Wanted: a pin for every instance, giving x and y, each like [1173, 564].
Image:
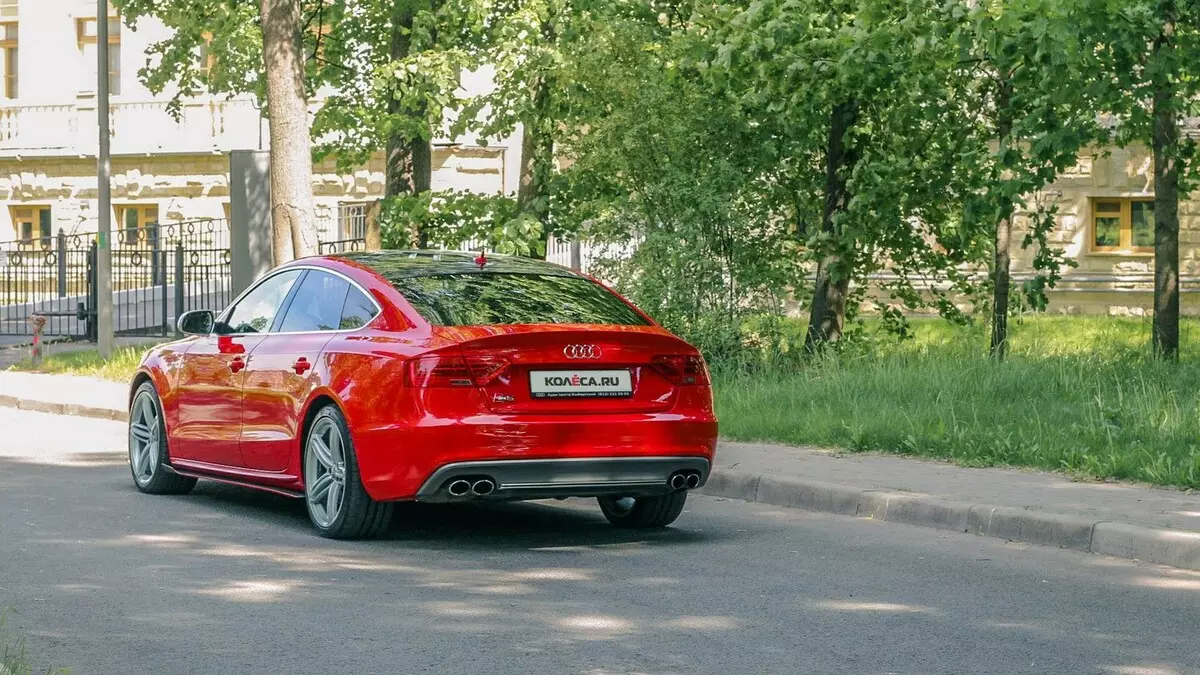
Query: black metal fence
[158, 271]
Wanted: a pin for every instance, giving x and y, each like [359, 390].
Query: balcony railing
[135, 127]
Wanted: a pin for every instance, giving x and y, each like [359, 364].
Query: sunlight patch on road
[460, 609]
[858, 606]
[607, 624]
[555, 574]
[1169, 583]
[254, 591]
[1140, 670]
[703, 623]
[163, 540]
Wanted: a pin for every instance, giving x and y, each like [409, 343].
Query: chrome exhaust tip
[459, 488]
[483, 487]
[693, 480]
[678, 481]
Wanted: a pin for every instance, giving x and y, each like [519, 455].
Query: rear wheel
[338, 505]
[643, 512]
[148, 447]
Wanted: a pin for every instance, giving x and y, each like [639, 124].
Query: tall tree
[864, 115]
[1026, 71]
[254, 49]
[1151, 52]
[292, 212]
[525, 42]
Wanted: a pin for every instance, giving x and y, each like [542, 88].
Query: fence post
[576, 263]
[62, 264]
[156, 268]
[178, 285]
[160, 258]
[93, 295]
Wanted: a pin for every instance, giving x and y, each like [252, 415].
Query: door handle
[301, 365]
[237, 364]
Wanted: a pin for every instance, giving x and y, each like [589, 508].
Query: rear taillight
[681, 368]
[454, 371]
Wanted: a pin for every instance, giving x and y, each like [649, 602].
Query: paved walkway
[1132, 521]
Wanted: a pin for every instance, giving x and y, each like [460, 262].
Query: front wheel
[338, 504]
[643, 512]
[148, 447]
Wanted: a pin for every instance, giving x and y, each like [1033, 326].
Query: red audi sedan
[359, 380]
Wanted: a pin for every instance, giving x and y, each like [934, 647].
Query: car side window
[357, 311]
[317, 303]
[257, 310]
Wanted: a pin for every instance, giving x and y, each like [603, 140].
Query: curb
[63, 408]
[1174, 548]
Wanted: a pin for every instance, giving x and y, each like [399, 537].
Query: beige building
[1105, 223]
[163, 170]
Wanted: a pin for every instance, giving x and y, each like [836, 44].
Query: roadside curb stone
[1174, 548]
[63, 408]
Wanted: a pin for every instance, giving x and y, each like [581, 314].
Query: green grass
[1076, 394]
[88, 362]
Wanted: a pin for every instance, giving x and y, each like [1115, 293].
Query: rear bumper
[616, 451]
[554, 478]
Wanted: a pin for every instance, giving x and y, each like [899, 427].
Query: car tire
[643, 512]
[148, 456]
[338, 505]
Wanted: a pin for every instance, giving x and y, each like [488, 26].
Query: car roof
[393, 264]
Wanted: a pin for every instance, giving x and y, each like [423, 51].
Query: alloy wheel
[144, 438]
[325, 472]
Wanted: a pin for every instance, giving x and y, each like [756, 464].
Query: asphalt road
[103, 579]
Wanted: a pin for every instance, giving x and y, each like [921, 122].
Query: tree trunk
[833, 274]
[1166, 225]
[1001, 262]
[408, 162]
[537, 158]
[292, 211]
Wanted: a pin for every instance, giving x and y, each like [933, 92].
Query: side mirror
[196, 322]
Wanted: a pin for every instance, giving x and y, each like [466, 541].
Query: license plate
[580, 383]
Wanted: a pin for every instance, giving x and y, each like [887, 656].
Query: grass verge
[88, 362]
[1075, 394]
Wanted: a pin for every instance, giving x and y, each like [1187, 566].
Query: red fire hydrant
[38, 322]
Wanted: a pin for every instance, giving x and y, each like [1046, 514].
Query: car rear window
[482, 299]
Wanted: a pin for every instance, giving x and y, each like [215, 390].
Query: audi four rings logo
[581, 352]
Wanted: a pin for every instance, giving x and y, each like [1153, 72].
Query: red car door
[208, 396]
[285, 368]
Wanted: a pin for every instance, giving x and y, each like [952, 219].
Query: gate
[158, 271]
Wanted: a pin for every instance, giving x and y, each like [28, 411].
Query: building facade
[163, 170]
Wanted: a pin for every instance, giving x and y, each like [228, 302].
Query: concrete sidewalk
[1128, 521]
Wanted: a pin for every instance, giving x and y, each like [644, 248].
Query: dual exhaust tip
[685, 480]
[462, 487]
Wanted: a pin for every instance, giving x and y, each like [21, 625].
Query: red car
[358, 380]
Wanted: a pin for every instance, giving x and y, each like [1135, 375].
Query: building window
[205, 59]
[8, 56]
[1123, 225]
[32, 222]
[139, 224]
[86, 33]
[352, 221]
